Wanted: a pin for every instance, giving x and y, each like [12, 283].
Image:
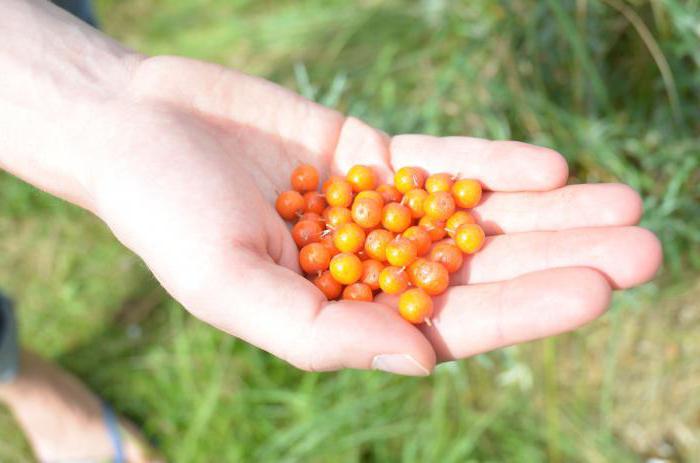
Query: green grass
[613, 85]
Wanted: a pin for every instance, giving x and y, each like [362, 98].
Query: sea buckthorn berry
[361, 178]
[346, 268]
[408, 178]
[314, 217]
[349, 237]
[416, 306]
[314, 257]
[469, 238]
[314, 202]
[304, 178]
[370, 272]
[431, 276]
[337, 216]
[389, 193]
[448, 255]
[305, 232]
[420, 237]
[457, 219]
[330, 180]
[439, 182]
[367, 212]
[393, 280]
[339, 194]
[396, 217]
[370, 194]
[466, 192]
[358, 292]
[328, 286]
[327, 241]
[375, 244]
[401, 252]
[290, 204]
[439, 205]
[413, 199]
[435, 228]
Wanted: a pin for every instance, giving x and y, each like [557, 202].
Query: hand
[189, 179]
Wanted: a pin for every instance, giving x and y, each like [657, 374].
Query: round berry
[367, 212]
[469, 238]
[389, 193]
[361, 178]
[431, 276]
[413, 199]
[393, 280]
[358, 292]
[304, 178]
[416, 306]
[332, 179]
[439, 205]
[435, 228]
[314, 257]
[327, 241]
[448, 255]
[328, 286]
[370, 272]
[396, 217]
[457, 219]
[420, 237]
[314, 202]
[339, 193]
[337, 216]
[370, 194]
[305, 232]
[439, 182]
[408, 178]
[375, 244]
[314, 217]
[467, 193]
[346, 268]
[349, 237]
[401, 252]
[290, 204]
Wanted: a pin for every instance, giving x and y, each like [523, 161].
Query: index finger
[498, 165]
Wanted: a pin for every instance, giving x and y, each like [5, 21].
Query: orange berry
[401, 252]
[408, 178]
[413, 199]
[361, 178]
[328, 286]
[305, 232]
[339, 193]
[466, 192]
[439, 182]
[370, 272]
[314, 202]
[439, 205]
[367, 212]
[375, 244]
[337, 216]
[448, 255]
[457, 219]
[314, 217]
[304, 178]
[349, 237]
[435, 228]
[420, 237]
[358, 292]
[330, 180]
[314, 257]
[469, 238]
[389, 193]
[416, 306]
[370, 194]
[346, 268]
[290, 204]
[396, 217]
[327, 241]
[393, 280]
[431, 276]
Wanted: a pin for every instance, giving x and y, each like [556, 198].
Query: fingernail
[400, 364]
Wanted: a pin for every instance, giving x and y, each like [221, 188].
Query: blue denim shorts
[9, 349]
[80, 8]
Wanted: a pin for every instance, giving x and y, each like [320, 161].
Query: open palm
[199, 153]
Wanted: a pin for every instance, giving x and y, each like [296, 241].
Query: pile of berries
[357, 237]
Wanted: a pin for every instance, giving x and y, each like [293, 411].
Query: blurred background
[612, 84]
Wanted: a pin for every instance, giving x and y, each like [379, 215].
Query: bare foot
[63, 419]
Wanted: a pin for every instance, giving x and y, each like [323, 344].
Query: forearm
[58, 79]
